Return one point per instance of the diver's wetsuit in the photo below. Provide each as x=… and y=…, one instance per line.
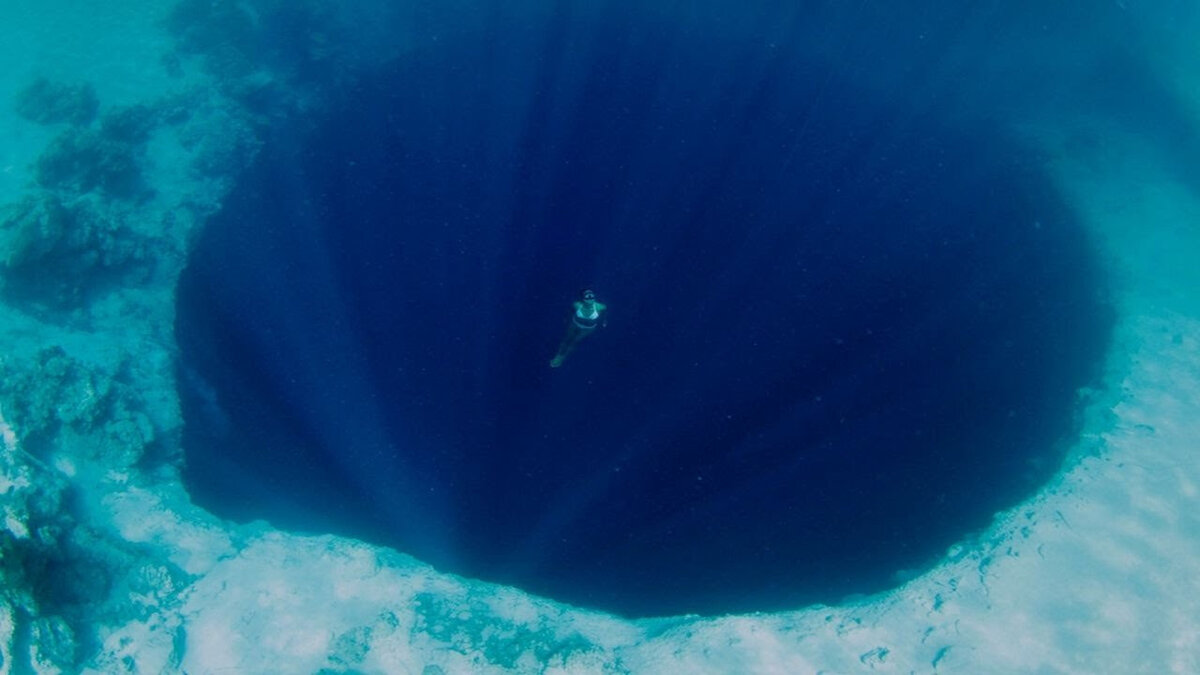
x=582, y=324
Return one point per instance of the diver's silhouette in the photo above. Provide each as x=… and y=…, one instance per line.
x=584, y=320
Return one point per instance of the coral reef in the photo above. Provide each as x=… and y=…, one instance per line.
x=54, y=392
x=55, y=253
x=46, y=102
x=81, y=160
x=30, y=539
x=61, y=415
x=267, y=55
x=131, y=125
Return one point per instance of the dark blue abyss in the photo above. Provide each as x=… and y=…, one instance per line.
x=844, y=327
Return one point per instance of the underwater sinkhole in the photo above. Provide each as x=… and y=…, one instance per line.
x=844, y=327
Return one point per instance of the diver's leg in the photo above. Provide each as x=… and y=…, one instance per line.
x=568, y=343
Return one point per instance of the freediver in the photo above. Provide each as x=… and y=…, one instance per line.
x=584, y=321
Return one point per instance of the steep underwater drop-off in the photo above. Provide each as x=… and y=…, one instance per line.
x=844, y=329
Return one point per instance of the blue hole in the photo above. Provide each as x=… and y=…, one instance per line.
x=843, y=327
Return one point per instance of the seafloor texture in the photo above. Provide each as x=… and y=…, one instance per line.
x=127, y=129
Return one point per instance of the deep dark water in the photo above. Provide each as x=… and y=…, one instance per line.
x=844, y=329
